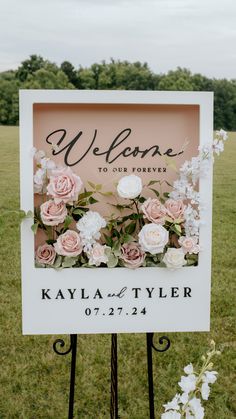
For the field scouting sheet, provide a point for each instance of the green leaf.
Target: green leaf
(85, 195)
(34, 228)
(29, 214)
(92, 185)
(108, 239)
(57, 262)
(50, 241)
(112, 261)
(98, 187)
(152, 182)
(79, 211)
(135, 216)
(127, 238)
(92, 200)
(116, 248)
(130, 228)
(155, 192)
(68, 221)
(142, 199)
(166, 194)
(106, 193)
(68, 261)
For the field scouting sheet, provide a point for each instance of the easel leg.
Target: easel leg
(150, 346)
(114, 378)
(72, 348)
(72, 375)
(149, 338)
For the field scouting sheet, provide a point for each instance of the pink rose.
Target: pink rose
(97, 255)
(64, 185)
(189, 244)
(132, 255)
(69, 244)
(154, 211)
(53, 213)
(45, 254)
(175, 209)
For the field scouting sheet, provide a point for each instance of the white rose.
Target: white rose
(129, 187)
(97, 255)
(90, 225)
(174, 258)
(153, 238)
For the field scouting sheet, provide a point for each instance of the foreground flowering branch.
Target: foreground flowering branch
(195, 389)
(159, 231)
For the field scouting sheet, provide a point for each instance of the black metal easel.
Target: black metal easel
(164, 341)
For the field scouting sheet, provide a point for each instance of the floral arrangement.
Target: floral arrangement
(149, 231)
(195, 389)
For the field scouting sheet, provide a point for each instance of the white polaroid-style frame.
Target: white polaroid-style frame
(151, 299)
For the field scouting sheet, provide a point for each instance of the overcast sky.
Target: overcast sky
(197, 34)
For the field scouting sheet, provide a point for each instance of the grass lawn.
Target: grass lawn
(34, 380)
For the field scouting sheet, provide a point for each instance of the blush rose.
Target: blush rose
(69, 244)
(154, 211)
(153, 238)
(53, 213)
(132, 255)
(45, 254)
(175, 209)
(189, 244)
(97, 254)
(64, 185)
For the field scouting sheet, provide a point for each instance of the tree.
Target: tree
(28, 67)
(70, 72)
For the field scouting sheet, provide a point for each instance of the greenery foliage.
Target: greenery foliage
(34, 380)
(38, 73)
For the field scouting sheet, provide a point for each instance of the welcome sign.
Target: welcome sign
(115, 180)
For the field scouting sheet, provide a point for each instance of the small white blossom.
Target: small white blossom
(218, 146)
(89, 226)
(210, 377)
(40, 181)
(174, 404)
(205, 391)
(171, 414)
(222, 134)
(188, 369)
(196, 408)
(188, 383)
(184, 398)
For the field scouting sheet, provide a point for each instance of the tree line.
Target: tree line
(38, 73)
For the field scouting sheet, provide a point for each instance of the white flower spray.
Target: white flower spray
(195, 388)
(190, 173)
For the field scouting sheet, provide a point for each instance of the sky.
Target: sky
(196, 34)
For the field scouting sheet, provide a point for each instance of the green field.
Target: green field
(34, 380)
